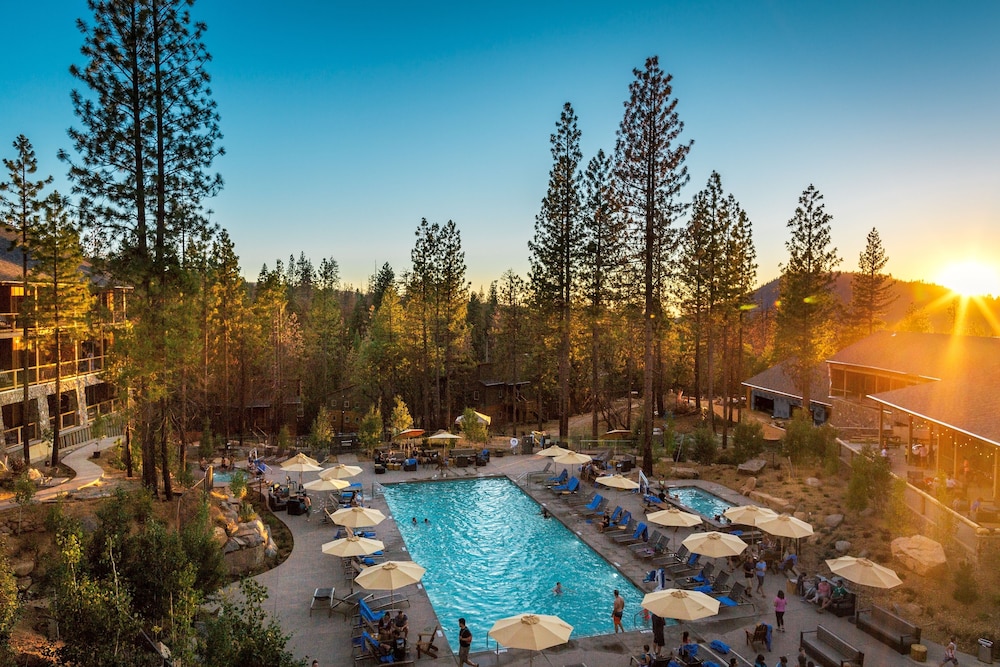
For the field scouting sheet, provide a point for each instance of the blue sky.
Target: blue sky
(345, 123)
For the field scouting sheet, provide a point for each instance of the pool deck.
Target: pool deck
(327, 638)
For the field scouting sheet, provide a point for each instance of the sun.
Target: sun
(970, 278)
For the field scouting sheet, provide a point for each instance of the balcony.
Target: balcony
(47, 373)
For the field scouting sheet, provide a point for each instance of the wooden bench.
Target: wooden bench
(830, 650)
(889, 628)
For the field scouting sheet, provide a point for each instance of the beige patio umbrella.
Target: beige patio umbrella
(444, 436)
(864, 572)
(340, 471)
(749, 515)
(553, 451)
(300, 463)
(326, 485)
(535, 632)
(571, 458)
(680, 604)
(390, 575)
(715, 544)
(674, 517)
(618, 482)
(357, 517)
(784, 525)
(352, 545)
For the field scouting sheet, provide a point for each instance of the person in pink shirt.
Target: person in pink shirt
(779, 610)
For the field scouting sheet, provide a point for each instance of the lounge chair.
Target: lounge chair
(613, 518)
(625, 526)
(685, 569)
(367, 614)
(700, 579)
(372, 649)
(322, 597)
(572, 486)
(623, 521)
(581, 501)
(558, 479)
(649, 545)
(737, 596)
(673, 558)
(757, 635)
(425, 642)
(349, 604)
(602, 504)
(641, 534)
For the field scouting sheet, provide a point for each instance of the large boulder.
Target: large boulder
(684, 473)
(833, 520)
(921, 555)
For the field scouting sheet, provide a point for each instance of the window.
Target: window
(347, 405)
(475, 395)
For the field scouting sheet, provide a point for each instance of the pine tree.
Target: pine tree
(650, 172)
(148, 136)
(21, 211)
(512, 320)
(554, 250)
(805, 316)
(871, 289)
(62, 300)
(601, 263)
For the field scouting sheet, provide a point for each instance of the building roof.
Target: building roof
(964, 393)
(776, 380)
(11, 260)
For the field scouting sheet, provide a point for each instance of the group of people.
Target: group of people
(392, 633)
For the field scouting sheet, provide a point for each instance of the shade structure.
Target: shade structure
(715, 544)
(352, 545)
(785, 525)
(573, 458)
(410, 433)
(674, 517)
(617, 482)
(326, 485)
(340, 471)
(864, 572)
(534, 632)
(390, 575)
(553, 451)
(749, 515)
(444, 436)
(680, 604)
(301, 463)
(357, 517)
(485, 419)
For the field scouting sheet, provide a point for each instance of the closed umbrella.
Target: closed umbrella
(618, 482)
(680, 604)
(674, 517)
(357, 517)
(340, 471)
(390, 575)
(715, 544)
(352, 545)
(535, 632)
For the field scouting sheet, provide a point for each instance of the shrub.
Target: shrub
(238, 484)
(748, 440)
(705, 447)
(966, 590)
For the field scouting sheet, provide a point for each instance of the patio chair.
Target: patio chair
(685, 569)
(699, 579)
(760, 634)
(322, 596)
(348, 604)
(673, 558)
(640, 535)
(598, 510)
(572, 486)
(425, 642)
(625, 526)
(373, 649)
(581, 501)
(558, 479)
(649, 545)
(612, 519)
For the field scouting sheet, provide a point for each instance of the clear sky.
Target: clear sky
(345, 123)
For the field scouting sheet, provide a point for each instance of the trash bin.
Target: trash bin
(985, 651)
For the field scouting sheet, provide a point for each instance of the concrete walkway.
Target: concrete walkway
(87, 472)
(327, 638)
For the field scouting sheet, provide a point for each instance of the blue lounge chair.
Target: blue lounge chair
(700, 579)
(366, 612)
(640, 535)
(623, 520)
(558, 479)
(372, 649)
(569, 487)
(597, 509)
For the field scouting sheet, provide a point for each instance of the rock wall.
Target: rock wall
(246, 546)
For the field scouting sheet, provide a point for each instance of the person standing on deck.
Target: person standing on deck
(464, 644)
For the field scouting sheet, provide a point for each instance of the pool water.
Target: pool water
(704, 502)
(490, 554)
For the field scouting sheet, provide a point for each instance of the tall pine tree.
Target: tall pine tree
(871, 288)
(650, 172)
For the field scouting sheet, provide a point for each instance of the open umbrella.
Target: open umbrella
(553, 451)
(357, 517)
(571, 458)
(784, 525)
(749, 515)
(674, 517)
(340, 471)
(326, 485)
(535, 632)
(444, 436)
(390, 575)
(352, 545)
(715, 544)
(680, 604)
(863, 571)
(300, 463)
(618, 482)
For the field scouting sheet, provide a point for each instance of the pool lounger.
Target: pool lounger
(322, 597)
(348, 604)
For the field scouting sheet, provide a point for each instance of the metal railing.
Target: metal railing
(47, 373)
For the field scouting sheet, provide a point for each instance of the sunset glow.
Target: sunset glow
(971, 278)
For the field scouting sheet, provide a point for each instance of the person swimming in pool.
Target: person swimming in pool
(558, 589)
(414, 521)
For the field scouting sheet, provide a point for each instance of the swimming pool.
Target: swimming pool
(490, 554)
(701, 501)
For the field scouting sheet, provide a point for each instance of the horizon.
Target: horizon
(344, 128)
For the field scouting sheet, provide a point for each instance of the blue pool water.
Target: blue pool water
(701, 501)
(490, 554)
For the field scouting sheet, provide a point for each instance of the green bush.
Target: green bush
(705, 447)
(966, 591)
(238, 484)
(748, 440)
